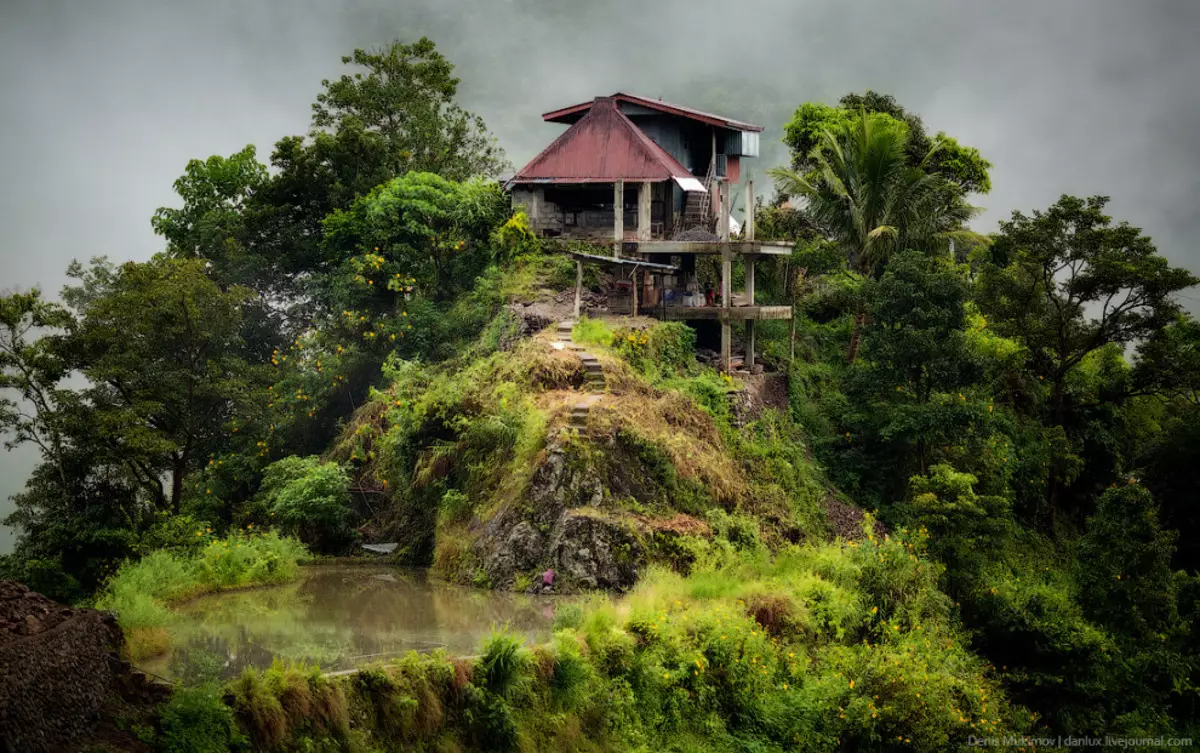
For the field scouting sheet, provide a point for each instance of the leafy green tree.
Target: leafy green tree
(1066, 282)
(395, 114)
(966, 529)
(423, 227)
(1168, 361)
(34, 367)
(406, 96)
(865, 195)
(77, 517)
(160, 344)
(961, 165)
(1125, 575)
(1170, 469)
(907, 391)
(211, 224)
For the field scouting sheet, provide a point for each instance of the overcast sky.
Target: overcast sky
(103, 102)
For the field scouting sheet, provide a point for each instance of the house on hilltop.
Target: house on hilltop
(667, 166)
(654, 180)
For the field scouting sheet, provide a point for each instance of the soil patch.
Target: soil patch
(846, 520)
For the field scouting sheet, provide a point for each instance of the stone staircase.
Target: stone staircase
(594, 378)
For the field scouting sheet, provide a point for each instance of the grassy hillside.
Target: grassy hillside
(486, 478)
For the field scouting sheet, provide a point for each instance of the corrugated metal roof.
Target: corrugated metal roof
(565, 114)
(602, 147)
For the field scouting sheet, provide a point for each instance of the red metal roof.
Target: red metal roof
(601, 147)
(566, 113)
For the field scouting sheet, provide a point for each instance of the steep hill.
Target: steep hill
(497, 467)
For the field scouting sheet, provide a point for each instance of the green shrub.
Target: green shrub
(662, 350)
(310, 499)
(196, 720)
(504, 664)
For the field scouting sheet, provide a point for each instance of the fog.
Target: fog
(104, 102)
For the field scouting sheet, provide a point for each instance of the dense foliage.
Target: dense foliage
(330, 348)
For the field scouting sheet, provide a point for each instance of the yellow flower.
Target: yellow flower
(852, 683)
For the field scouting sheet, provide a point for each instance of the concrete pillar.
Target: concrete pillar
(578, 287)
(726, 276)
(618, 216)
(726, 343)
(749, 344)
(748, 231)
(643, 226)
(535, 207)
(723, 221)
(750, 279)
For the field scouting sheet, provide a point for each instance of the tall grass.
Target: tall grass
(141, 591)
(593, 331)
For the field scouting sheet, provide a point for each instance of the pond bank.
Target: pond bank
(340, 617)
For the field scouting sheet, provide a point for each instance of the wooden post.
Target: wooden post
(723, 222)
(618, 216)
(750, 322)
(643, 226)
(578, 287)
(726, 333)
(748, 231)
(637, 278)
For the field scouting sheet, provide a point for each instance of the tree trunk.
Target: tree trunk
(178, 471)
(1053, 482)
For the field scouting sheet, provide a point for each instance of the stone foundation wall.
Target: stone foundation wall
(55, 681)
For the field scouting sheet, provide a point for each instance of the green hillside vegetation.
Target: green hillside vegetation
(969, 511)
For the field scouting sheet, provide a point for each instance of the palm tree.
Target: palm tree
(866, 196)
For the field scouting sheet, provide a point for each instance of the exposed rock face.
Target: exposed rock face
(558, 526)
(596, 552)
(58, 666)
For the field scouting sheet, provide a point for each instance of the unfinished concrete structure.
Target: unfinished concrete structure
(654, 180)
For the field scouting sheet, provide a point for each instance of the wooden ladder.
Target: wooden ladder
(697, 205)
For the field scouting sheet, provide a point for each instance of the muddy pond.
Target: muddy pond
(341, 617)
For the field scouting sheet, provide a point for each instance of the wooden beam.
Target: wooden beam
(733, 313)
(676, 248)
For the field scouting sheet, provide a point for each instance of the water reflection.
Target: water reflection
(340, 617)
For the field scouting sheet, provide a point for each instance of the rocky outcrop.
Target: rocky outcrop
(594, 551)
(558, 526)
